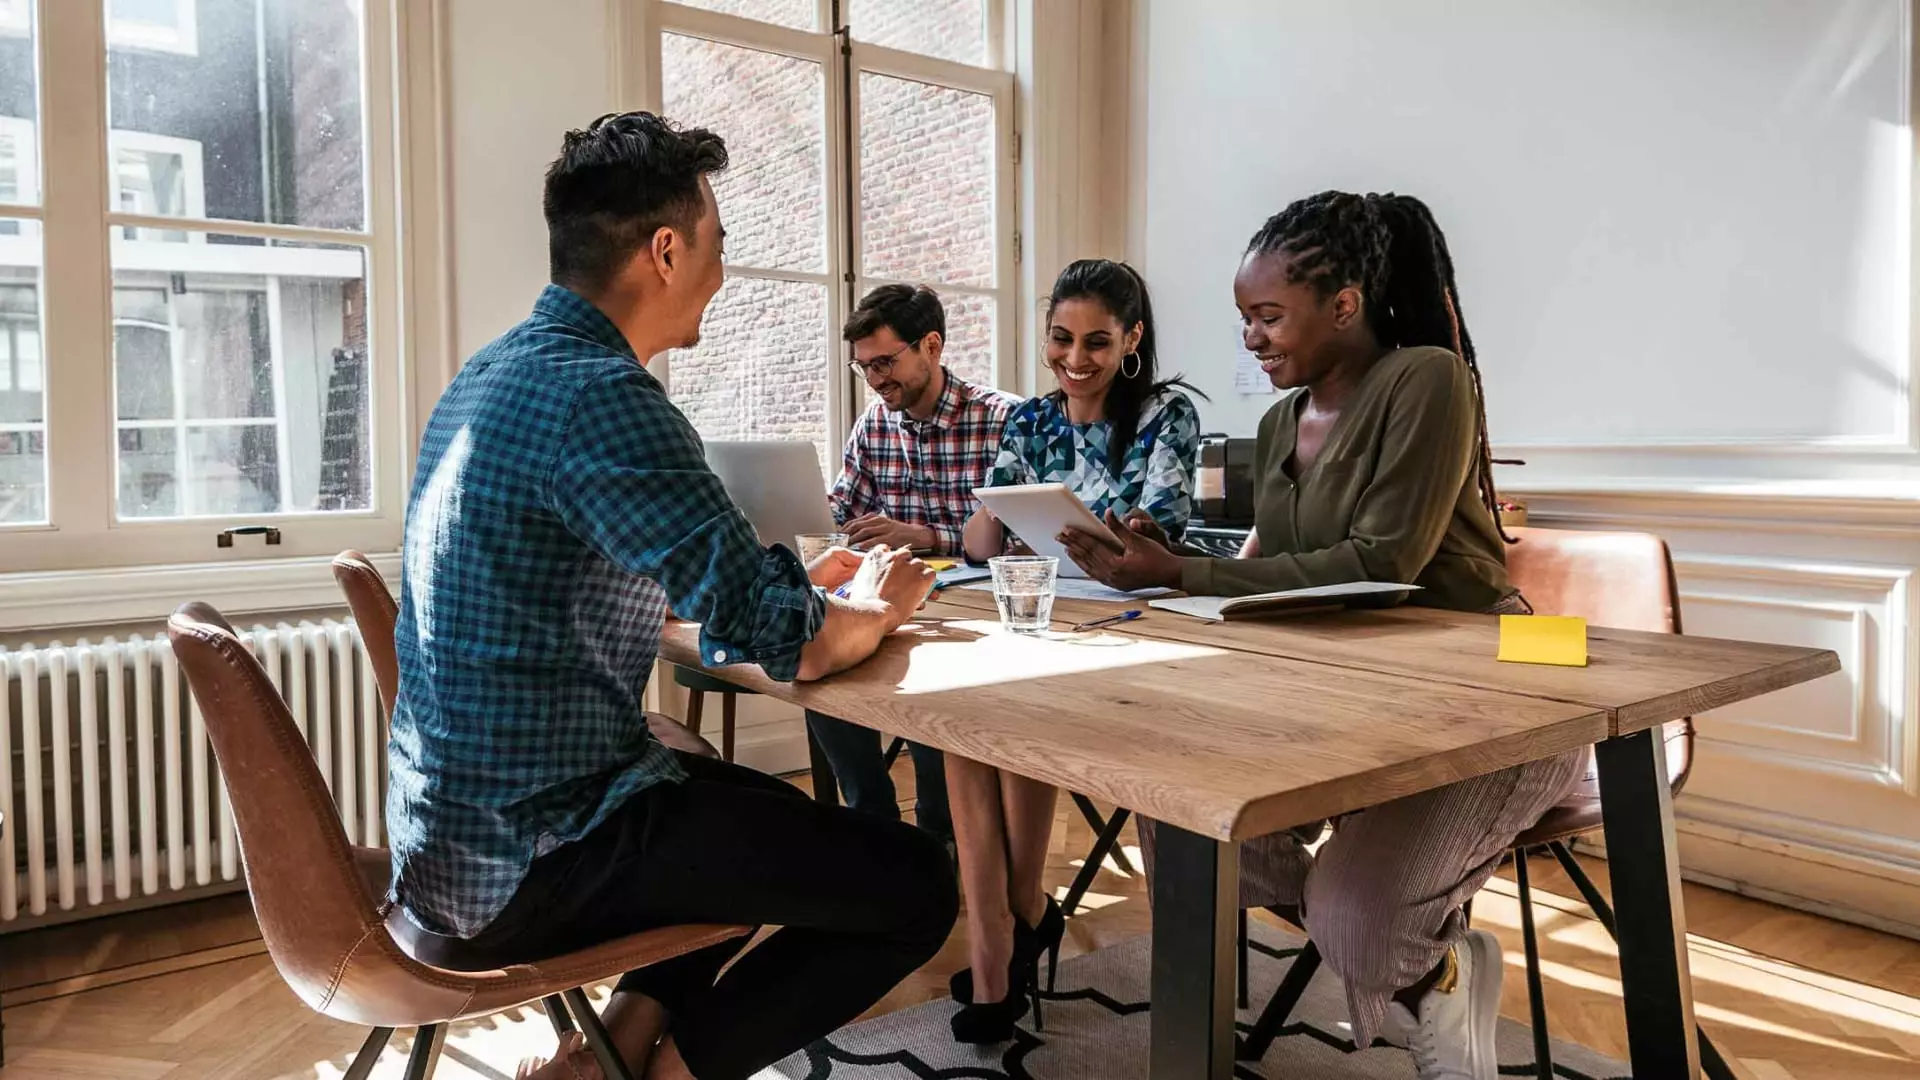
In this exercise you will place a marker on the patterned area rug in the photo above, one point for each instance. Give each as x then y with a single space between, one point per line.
1097 1027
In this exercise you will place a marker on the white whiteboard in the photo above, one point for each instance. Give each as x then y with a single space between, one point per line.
1672 222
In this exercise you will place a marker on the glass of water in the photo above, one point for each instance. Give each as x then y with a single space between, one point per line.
811 546
1023 588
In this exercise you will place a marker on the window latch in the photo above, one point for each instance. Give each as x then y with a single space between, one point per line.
225 536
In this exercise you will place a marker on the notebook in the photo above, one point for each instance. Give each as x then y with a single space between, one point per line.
1289 602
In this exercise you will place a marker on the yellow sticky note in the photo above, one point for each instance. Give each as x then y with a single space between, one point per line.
940 564
1544 639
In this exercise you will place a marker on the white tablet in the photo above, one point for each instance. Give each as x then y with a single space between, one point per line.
1039 512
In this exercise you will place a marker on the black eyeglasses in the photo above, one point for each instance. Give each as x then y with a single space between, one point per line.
879 365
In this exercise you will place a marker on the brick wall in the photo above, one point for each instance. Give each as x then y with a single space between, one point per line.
926 204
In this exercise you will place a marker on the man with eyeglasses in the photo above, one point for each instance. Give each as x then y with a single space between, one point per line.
907 481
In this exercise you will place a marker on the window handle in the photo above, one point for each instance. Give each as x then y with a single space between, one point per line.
225 536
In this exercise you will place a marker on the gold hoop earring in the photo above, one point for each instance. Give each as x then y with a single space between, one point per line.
1135 373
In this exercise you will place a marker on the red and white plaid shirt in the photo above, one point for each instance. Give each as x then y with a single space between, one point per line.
923 472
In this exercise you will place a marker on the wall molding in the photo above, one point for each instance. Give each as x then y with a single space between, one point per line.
1825 507
1864 878
1886 652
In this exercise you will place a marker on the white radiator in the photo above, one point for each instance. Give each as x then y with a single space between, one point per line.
112 795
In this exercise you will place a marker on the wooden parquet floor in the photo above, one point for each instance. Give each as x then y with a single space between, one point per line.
1786 995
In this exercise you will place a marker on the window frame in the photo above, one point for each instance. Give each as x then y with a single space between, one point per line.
844 57
78 219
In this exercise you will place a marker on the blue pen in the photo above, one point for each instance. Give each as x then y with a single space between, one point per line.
1125 616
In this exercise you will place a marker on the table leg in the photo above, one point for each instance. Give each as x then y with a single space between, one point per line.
1196 888
1643 862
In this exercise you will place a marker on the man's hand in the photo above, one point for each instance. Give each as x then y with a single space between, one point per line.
1140 562
904 583
894 577
834 567
868 530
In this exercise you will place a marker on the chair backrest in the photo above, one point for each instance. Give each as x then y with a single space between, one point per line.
321 926
374 609
1622 580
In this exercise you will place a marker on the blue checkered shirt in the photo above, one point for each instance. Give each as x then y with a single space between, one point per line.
561 507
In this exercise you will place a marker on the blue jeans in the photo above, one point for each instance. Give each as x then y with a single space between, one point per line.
860 766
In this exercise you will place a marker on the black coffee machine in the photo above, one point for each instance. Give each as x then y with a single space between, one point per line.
1223 495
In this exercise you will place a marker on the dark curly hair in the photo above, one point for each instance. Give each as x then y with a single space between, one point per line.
1392 249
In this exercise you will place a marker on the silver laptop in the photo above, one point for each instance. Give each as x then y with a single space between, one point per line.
777 484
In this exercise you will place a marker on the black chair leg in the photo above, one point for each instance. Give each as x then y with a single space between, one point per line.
612 1065
893 750
1099 825
426 1052
1536 998
1280 1006
729 707
361 1066
557 1015
1711 1063
1246 994
1602 910
1102 844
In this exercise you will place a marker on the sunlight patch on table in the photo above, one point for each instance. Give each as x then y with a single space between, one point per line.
998 657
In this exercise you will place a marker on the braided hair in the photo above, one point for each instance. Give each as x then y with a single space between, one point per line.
1393 250
1123 292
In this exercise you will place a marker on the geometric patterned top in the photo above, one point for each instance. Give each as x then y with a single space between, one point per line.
1041 446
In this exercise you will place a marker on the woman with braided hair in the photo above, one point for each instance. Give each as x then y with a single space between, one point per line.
1375 467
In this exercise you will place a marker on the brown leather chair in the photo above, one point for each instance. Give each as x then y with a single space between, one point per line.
1625 581
321 901
1613 579
374 609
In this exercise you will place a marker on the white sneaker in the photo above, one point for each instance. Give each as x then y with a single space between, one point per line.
1453 1037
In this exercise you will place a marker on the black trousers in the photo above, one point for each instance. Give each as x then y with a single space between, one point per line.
861 902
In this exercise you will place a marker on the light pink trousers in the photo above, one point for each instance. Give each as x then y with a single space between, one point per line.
1382 896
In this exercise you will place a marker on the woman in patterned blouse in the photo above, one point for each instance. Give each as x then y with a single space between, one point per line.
1120 438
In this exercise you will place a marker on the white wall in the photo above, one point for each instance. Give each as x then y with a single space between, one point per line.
515 85
1683 237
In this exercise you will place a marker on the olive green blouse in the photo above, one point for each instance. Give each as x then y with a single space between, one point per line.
1392 496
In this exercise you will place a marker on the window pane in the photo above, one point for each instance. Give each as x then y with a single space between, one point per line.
241 374
149 472
23 476
249 111
949 29
926 182
970 337
23 447
799 14
19 112
760 370
232 470
771 110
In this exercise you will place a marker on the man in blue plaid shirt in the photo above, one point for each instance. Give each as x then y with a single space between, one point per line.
561 508
907 480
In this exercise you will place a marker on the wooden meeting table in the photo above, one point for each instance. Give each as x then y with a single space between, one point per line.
1227 731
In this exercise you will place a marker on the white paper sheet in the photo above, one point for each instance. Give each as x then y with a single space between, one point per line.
1247 376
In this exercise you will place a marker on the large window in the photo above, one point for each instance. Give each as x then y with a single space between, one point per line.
890 160
197 304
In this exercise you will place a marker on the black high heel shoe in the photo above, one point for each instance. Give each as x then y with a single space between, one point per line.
1028 945
986 1022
